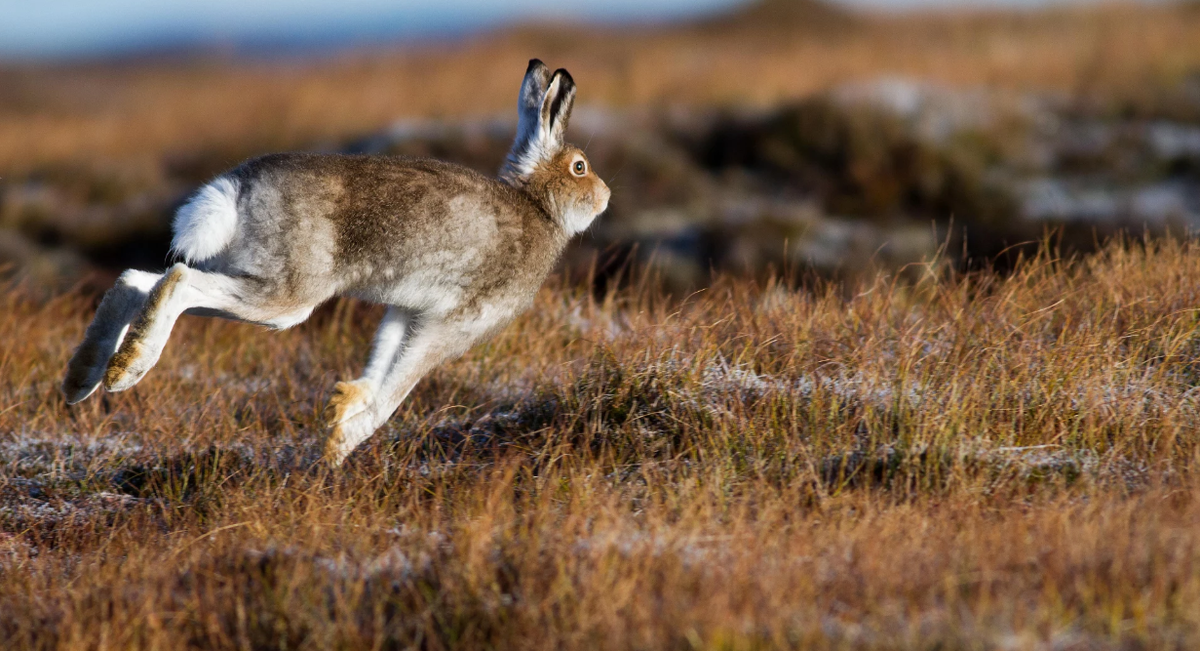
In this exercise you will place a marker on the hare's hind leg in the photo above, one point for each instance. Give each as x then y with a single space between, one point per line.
391 378
147 334
117 310
179 290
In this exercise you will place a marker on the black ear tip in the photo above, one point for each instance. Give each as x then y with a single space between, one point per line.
567 80
534 63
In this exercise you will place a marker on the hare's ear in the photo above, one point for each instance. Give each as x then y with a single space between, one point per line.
556 109
544 108
529 105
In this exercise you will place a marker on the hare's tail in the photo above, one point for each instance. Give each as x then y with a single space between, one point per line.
206 224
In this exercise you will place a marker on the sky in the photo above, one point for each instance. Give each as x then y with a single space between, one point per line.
64 29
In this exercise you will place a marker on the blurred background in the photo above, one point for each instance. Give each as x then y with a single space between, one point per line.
799 137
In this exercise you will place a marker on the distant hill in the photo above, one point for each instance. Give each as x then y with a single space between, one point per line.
766 16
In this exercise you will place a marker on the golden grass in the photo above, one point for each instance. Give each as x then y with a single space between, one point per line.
143 113
972 462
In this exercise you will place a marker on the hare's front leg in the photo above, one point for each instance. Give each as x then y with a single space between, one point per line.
405 349
352 398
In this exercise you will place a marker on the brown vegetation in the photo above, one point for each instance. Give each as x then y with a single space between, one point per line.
966 462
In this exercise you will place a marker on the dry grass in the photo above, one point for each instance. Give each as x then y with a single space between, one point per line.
976 462
148 112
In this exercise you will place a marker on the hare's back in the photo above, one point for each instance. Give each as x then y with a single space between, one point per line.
356 217
365 204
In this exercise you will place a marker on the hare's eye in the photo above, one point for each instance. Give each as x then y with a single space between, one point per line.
579 167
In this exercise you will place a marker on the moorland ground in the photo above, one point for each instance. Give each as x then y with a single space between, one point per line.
912 457
958 462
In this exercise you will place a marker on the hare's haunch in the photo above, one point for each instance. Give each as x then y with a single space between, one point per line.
453 254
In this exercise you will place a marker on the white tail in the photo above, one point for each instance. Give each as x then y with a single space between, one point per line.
206 224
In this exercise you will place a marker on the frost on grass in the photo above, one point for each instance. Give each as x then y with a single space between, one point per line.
65 455
659 411
48 481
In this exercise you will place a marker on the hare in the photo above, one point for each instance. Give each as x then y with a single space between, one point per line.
453 254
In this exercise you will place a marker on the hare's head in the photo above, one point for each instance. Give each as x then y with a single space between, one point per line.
556 174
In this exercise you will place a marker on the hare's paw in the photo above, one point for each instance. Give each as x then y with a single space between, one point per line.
348 414
347 435
128 366
348 400
85 371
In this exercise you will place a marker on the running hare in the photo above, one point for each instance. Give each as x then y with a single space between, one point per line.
453 254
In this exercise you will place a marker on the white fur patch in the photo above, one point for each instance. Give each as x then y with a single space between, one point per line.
576 220
536 150
206 224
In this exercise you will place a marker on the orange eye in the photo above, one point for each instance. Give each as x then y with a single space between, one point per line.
579 168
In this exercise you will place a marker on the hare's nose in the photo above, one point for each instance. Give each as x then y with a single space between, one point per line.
602 199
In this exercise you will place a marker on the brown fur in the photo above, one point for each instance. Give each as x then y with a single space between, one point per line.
556 180
345 395
132 348
386 213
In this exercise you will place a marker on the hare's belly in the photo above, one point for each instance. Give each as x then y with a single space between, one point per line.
423 293
477 306
421 290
